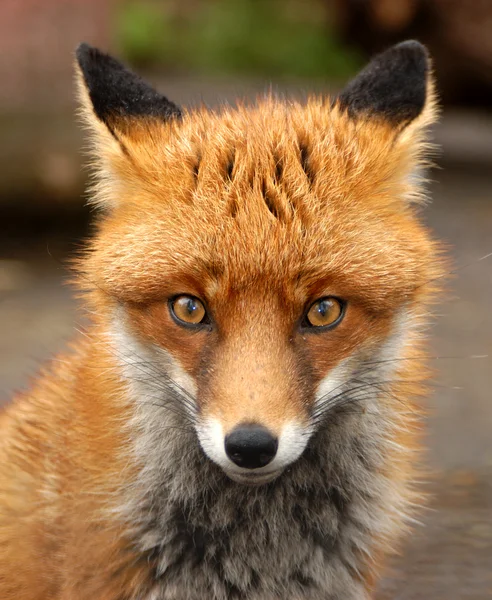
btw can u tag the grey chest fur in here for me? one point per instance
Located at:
(298, 537)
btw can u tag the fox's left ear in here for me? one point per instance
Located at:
(396, 87)
(114, 97)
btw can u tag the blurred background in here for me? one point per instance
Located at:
(214, 51)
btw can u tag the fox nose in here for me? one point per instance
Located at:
(251, 446)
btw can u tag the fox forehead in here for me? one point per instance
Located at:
(303, 158)
(287, 194)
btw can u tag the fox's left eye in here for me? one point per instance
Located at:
(188, 310)
(324, 313)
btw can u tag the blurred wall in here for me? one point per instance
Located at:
(37, 38)
(456, 32)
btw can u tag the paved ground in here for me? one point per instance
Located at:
(450, 556)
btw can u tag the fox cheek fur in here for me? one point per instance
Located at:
(211, 436)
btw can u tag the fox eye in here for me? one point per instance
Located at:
(325, 312)
(188, 310)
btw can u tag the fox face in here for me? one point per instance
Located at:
(259, 268)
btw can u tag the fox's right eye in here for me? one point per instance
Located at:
(325, 313)
(188, 310)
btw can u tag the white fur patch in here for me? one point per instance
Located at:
(384, 362)
(334, 381)
(143, 366)
(291, 444)
(393, 349)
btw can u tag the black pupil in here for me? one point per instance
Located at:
(191, 306)
(324, 307)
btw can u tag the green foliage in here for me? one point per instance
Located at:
(254, 37)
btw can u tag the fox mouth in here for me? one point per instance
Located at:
(253, 479)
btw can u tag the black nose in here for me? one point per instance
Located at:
(251, 446)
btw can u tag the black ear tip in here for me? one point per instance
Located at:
(413, 46)
(393, 85)
(412, 53)
(90, 58)
(84, 53)
(116, 92)
(82, 49)
(411, 57)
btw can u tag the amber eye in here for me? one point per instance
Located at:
(324, 312)
(188, 309)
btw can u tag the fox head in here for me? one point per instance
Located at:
(257, 264)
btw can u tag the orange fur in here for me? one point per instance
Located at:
(258, 245)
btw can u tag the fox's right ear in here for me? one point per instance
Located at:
(113, 96)
(120, 110)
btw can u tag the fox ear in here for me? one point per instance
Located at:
(122, 113)
(115, 96)
(395, 86)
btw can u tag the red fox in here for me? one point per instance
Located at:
(240, 420)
